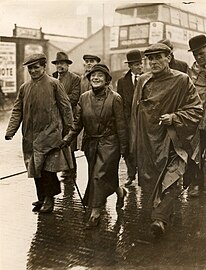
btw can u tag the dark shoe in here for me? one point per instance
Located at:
(37, 203)
(129, 181)
(92, 222)
(120, 200)
(36, 209)
(48, 205)
(157, 228)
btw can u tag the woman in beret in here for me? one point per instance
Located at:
(100, 113)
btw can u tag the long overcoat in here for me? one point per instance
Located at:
(171, 93)
(44, 109)
(104, 140)
(125, 88)
(71, 83)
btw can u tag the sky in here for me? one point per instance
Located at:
(68, 17)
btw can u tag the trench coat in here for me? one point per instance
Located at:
(198, 76)
(104, 141)
(71, 83)
(44, 109)
(172, 93)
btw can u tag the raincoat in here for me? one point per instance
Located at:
(198, 76)
(44, 109)
(151, 141)
(104, 141)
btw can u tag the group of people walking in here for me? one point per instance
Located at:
(155, 121)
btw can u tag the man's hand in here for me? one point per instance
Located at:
(63, 144)
(8, 138)
(166, 119)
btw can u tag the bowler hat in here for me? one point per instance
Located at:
(197, 43)
(91, 56)
(100, 67)
(167, 42)
(61, 56)
(34, 58)
(134, 56)
(157, 48)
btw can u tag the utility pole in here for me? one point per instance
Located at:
(103, 35)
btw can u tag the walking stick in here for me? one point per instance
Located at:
(11, 175)
(69, 160)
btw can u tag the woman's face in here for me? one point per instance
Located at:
(97, 79)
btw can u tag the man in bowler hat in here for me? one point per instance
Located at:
(198, 75)
(44, 110)
(125, 87)
(71, 83)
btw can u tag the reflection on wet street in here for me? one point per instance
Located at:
(122, 241)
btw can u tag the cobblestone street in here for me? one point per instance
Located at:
(59, 241)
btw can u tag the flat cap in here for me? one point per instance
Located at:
(34, 58)
(157, 48)
(91, 56)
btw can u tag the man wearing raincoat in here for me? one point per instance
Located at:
(43, 108)
(166, 111)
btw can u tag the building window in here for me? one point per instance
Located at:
(175, 16)
(192, 21)
(165, 14)
(184, 19)
(200, 24)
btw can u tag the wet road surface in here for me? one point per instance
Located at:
(60, 241)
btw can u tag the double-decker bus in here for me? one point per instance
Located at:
(140, 25)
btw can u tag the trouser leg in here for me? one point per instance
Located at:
(202, 158)
(131, 167)
(165, 208)
(51, 183)
(39, 189)
(47, 185)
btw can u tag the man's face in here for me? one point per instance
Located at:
(89, 63)
(136, 67)
(62, 66)
(97, 79)
(36, 70)
(200, 56)
(158, 62)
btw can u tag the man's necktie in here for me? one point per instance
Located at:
(135, 81)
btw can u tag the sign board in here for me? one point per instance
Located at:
(25, 32)
(155, 32)
(180, 35)
(8, 66)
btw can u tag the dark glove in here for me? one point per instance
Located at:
(8, 138)
(63, 144)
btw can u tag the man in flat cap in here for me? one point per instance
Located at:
(89, 61)
(71, 83)
(125, 87)
(198, 75)
(175, 63)
(166, 111)
(44, 110)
